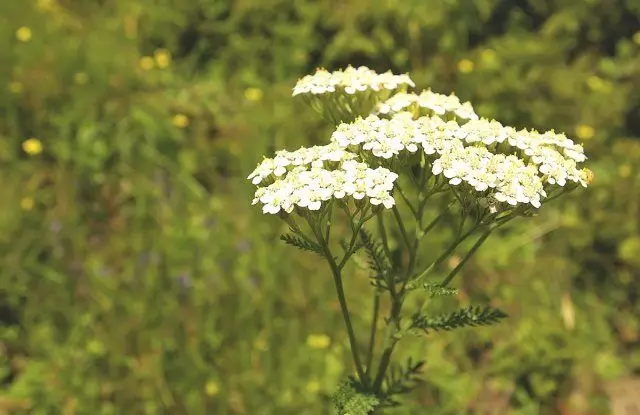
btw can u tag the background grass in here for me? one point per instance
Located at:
(135, 277)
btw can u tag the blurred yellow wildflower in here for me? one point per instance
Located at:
(80, 78)
(180, 120)
(23, 34)
(162, 57)
(46, 5)
(212, 388)
(488, 56)
(318, 341)
(146, 63)
(261, 345)
(313, 386)
(16, 87)
(465, 66)
(32, 146)
(636, 38)
(624, 170)
(585, 132)
(253, 94)
(26, 203)
(595, 83)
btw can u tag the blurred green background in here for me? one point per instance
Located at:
(135, 277)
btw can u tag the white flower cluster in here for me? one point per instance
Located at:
(308, 183)
(555, 155)
(438, 104)
(513, 181)
(507, 166)
(351, 80)
(314, 156)
(466, 153)
(382, 137)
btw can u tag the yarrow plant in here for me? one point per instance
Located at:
(401, 154)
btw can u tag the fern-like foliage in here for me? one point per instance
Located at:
(401, 380)
(302, 244)
(349, 400)
(437, 290)
(466, 317)
(377, 259)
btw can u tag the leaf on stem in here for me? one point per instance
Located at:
(302, 244)
(401, 380)
(376, 256)
(437, 290)
(466, 317)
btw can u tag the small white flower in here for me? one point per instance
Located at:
(436, 104)
(351, 80)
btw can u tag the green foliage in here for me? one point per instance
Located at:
(377, 259)
(347, 400)
(402, 380)
(302, 244)
(465, 317)
(135, 278)
(437, 290)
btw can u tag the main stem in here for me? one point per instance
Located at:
(337, 279)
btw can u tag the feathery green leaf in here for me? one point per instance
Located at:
(302, 244)
(466, 317)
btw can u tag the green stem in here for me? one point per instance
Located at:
(406, 201)
(354, 237)
(445, 254)
(337, 279)
(469, 254)
(432, 224)
(383, 235)
(388, 351)
(372, 336)
(403, 231)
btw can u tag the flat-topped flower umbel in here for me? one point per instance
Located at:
(405, 152)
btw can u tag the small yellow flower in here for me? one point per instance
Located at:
(318, 341)
(636, 38)
(488, 56)
(212, 388)
(253, 94)
(585, 132)
(16, 87)
(624, 170)
(46, 5)
(595, 83)
(26, 203)
(23, 34)
(80, 78)
(261, 345)
(180, 120)
(162, 57)
(146, 63)
(32, 146)
(465, 66)
(313, 386)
